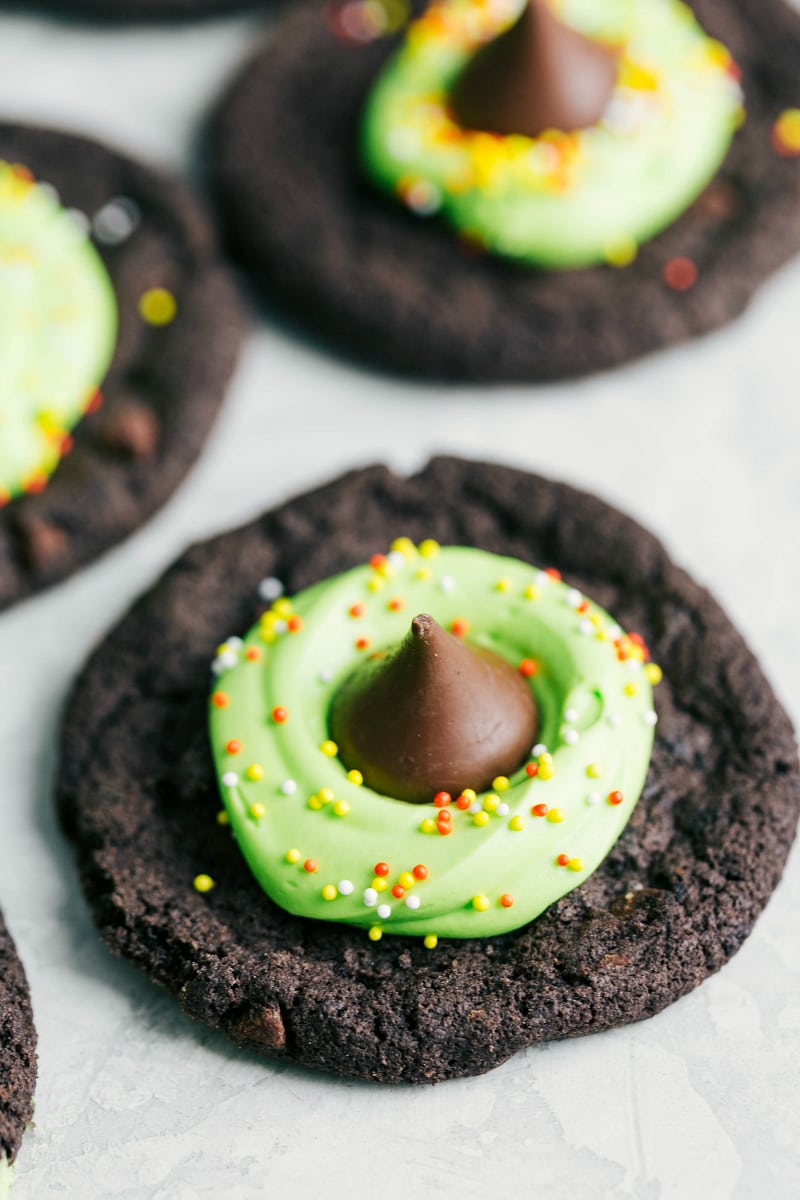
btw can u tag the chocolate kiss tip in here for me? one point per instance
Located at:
(435, 714)
(539, 74)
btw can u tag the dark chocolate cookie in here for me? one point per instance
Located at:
(673, 901)
(166, 381)
(17, 1052)
(404, 292)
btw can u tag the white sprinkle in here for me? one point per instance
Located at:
(585, 627)
(571, 714)
(634, 664)
(413, 901)
(80, 219)
(476, 806)
(384, 911)
(47, 189)
(650, 718)
(224, 662)
(573, 597)
(593, 798)
(235, 643)
(614, 720)
(270, 588)
(116, 221)
(396, 558)
(538, 750)
(346, 887)
(325, 676)
(217, 667)
(423, 198)
(280, 627)
(571, 737)
(502, 810)
(403, 143)
(370, 897)
(289, 787)
(230, 779)
(614, 632)
(447, 584)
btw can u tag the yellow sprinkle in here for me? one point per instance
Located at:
(269, 619)
(787, 129)
(203, 883)
(223, 818)
(222, 647)
(315, 803)
(292, 856)
(429, 548)
(481, 819)
(500, 783)
(254, 772)
(503, 585)
(405, 546)
(341, 808)
(480, 903)
(545, 757)
(355, 777)
(575, 864)
(428, 825)
(257, 811)
(546, 771)
(326, 795)
(468, 794)
(375, 583)
(406, 879)
(622, 253)
(157, 306)
(379, 883)
(330, 891)
(330, 749)
(631, 689)
(555, 815)
(490, 802)
(430, 941)
(282, 607)
(375, 934)
(268, 636)
(594, 771)
(516, 823)
(531, 592)
(653, 673)
(422, 573)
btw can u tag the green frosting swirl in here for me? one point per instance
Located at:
(58, 324)
(559, 200)
(312, 834)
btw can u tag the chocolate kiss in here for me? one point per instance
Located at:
(433, 715)
(538, 75)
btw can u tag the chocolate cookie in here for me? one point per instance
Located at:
(17, 1054)
(674, 899)
(149, 10)
(180, 324)
(407, 293)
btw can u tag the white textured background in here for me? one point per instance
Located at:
(702, 445)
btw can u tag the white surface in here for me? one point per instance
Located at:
(135, 1102)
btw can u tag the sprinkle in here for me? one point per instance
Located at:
(404, 546)
(230, 779)
(116, 221)
(279, 715)
(680, 274)
(233, 746)
(532, 770)
(562, 860)
(553, 573)
(283, 607)
(378, 884)
(220, 699)
(480, 819)
(490, 802)
(382, 869)
(420, 871)
(516, 824)
(480, 903)
(394, 559)
(310, 865)
(223, 818)
(573, 597)
(289, 787)
(447, 583)
(203, 883)
(506, 900)
(370, 897)
(253, 654)
(406, 879)
(503, 810)
(355, 777)
(325, 676)
(294, 624)
(528, 668)
(329, 892)
(475, 806)
(531, 592)
(615, 798)
(341, 808)
(572, 737)
(270, 589)
(375, 584)
(398, 891)
(314, 803)
(631, 689)
(442, 799)
(575, 864)
(593, 798)
(459, 627)
(538, 750)
(292, 856)
(546, 770)
(346, 887)
(555, 816)
(571, 715)
(466, 798)
(329, 749)
(362, 643)
(653, 673)
(254, 772)
(428, 825)
(357, 610)
(539, 810)
(786, 133)
(500, 783)
(594, 771)
(413, 901)
(384, 911)
(396, 604)
(429, 548)
(585, 627)
(378, 562)
(614, 720)
(375, 933)
(430, 941)
(650, 718)
(157, 306)
(257, 811)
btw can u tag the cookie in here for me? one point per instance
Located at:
(149, 10)
(404, 291)
(17, 1056)
(136, 332)
(674, 899)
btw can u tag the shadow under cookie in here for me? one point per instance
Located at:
(404, 292)
(674, 899)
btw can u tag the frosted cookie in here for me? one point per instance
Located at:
(595, 863)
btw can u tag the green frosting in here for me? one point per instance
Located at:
(292, 804)
(559, 200)
(58, 324)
